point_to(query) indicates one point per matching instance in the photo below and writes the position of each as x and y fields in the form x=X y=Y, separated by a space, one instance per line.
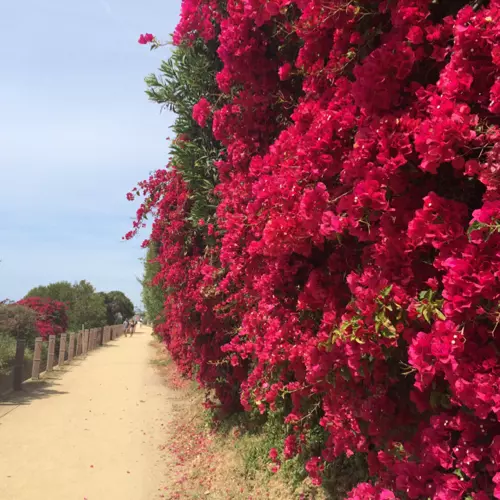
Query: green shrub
x=7 y=352
x=18 y=322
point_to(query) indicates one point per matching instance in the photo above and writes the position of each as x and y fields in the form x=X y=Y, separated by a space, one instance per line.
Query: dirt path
x=92 y=433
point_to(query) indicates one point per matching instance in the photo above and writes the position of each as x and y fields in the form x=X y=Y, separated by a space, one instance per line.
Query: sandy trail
x=92 y=432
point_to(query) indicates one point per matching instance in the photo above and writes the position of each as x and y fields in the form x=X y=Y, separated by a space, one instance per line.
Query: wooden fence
x=71 y=346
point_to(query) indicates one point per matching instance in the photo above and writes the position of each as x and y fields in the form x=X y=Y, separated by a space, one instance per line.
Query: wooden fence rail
x=71 y=345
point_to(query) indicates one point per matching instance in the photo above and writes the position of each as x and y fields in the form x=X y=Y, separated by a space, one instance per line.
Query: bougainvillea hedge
x=51 y=315
x=329 y=229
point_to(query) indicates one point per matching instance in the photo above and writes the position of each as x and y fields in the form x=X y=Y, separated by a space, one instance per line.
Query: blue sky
x=76 y=133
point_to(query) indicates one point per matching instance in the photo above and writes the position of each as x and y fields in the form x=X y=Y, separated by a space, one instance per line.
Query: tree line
x=86 y=306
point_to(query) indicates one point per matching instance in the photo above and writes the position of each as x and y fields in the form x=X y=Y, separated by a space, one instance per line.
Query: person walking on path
x=125 y=327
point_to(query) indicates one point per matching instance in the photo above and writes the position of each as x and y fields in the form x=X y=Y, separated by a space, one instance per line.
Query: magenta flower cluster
x=356 y=274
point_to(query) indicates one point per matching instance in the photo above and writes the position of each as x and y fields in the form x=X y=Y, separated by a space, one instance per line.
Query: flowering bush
x=16 y=322
x=347 y=273
x=51 y=315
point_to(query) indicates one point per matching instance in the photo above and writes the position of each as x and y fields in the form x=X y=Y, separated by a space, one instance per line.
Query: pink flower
x=415 y=35
x=284 y=71
x=201 y=112
x=145 y=39
x=496 y=481
x=352 y=268
x=489 y=212
x=290 y=448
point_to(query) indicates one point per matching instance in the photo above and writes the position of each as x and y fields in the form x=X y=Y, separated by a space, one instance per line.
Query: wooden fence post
x=79 y=344
x=37 y=358
x=71 y=347
x=62 y=349
x=85 y=342
x=19 y=363
x=92 y=339
x=50 y=356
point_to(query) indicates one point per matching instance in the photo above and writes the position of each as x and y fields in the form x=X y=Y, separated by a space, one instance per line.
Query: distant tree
x=85 y=306
x=63 y=291
x=88 y=308
x=118 y=307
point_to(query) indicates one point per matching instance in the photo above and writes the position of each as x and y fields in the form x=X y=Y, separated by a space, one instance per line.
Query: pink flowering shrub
x=52 y=316
x=349 y=274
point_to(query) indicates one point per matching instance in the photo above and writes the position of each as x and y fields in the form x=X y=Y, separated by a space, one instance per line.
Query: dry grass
x=213 y=465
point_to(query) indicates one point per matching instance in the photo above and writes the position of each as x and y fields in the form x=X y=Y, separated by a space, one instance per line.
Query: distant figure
x=132 y=327
x=125 y=327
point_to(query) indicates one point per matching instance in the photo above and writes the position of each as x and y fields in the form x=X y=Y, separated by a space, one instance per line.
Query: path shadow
x=31 y=391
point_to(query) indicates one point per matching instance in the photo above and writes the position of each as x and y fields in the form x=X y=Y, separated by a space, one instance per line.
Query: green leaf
x=426 y=315
x=440 y=315
x=435 y=399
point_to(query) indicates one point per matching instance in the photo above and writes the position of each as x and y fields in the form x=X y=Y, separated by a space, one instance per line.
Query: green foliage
x=258 y=434
x=429 y=306
x=7 y=352
x=118 y=307
x=85 y=306
x=88 y=307
x=184 y=79
x=489 y=229
x=18 y=322
x=343 y=474
x=63 y=291
x=152 y=295
x=15 y=322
